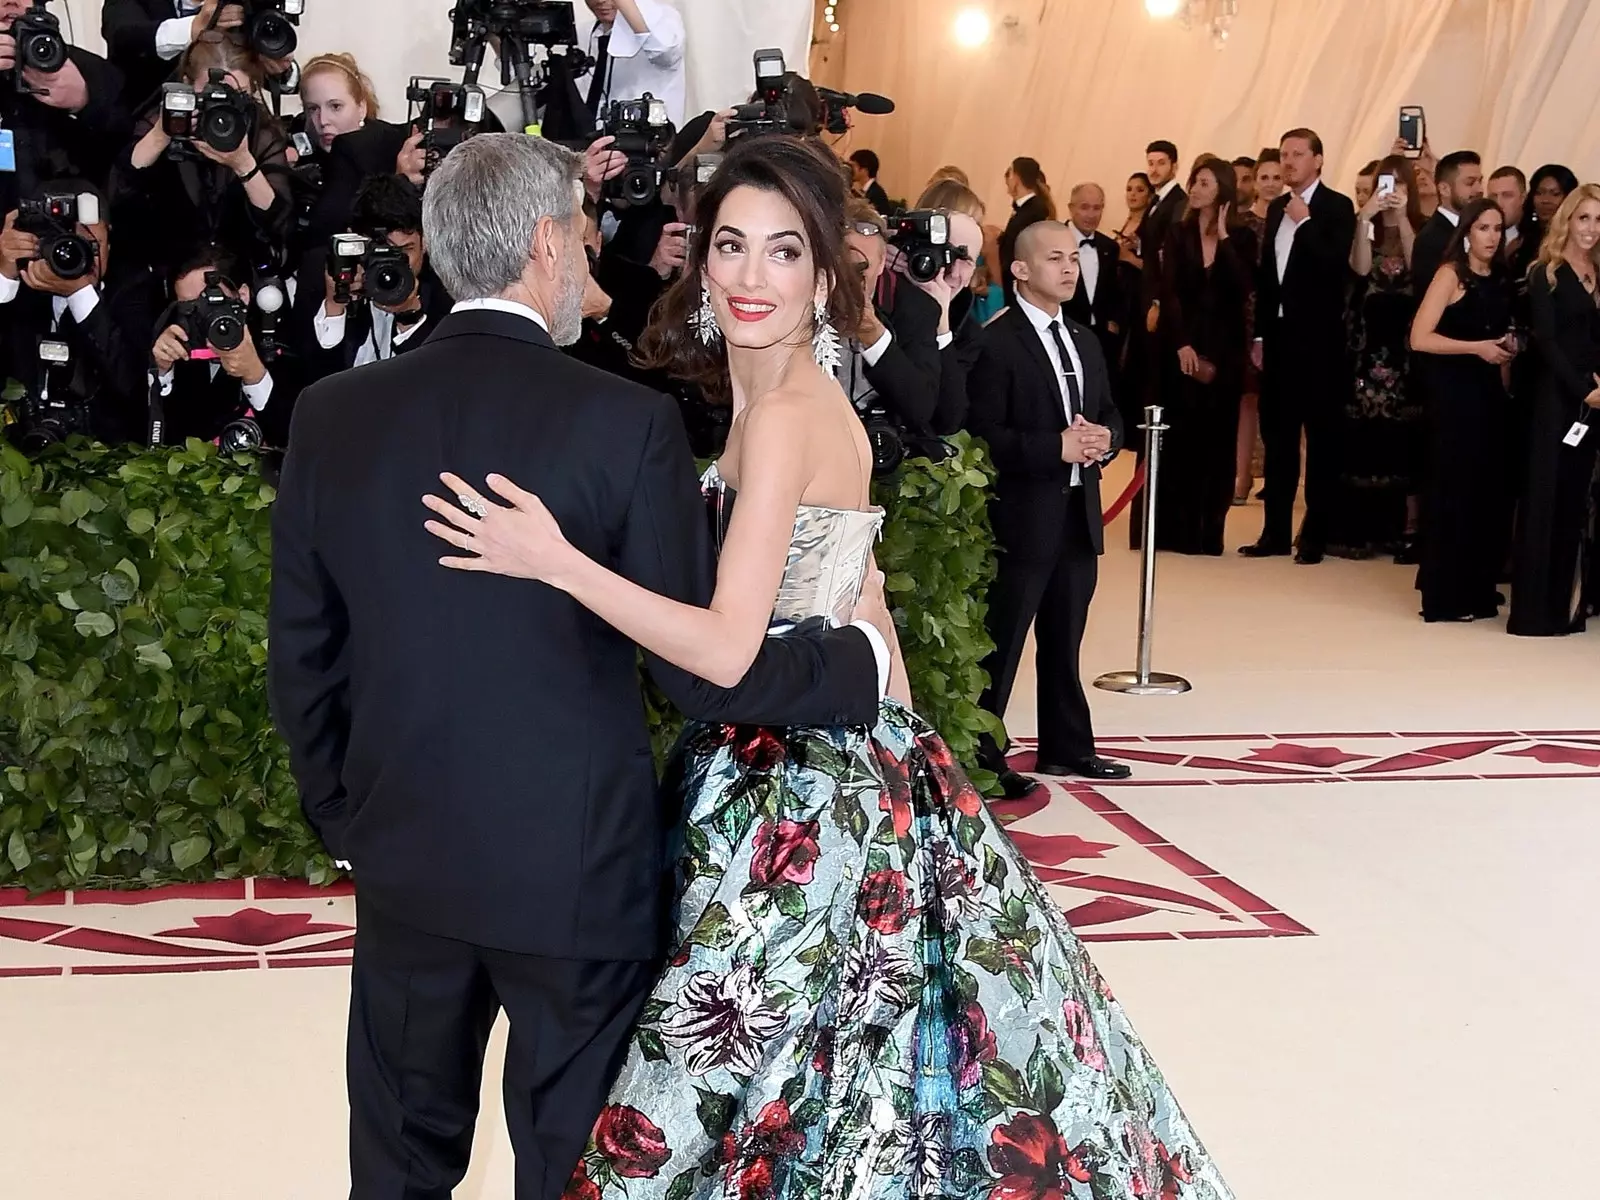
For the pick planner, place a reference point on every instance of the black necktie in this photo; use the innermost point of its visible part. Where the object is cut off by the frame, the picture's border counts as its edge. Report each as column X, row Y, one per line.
column 1068, row 375
column 602, row 68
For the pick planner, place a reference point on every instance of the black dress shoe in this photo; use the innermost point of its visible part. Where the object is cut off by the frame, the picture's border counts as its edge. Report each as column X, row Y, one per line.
column 1092, row 767
column 1309, row 556
column 1409, row 554
column 1264, row 549
column 1014, row 786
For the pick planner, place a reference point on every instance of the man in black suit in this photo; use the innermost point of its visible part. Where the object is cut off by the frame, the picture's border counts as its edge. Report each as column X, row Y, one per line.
column 146, row 38
column 1460, row 180
column 1098, row 304
column 1300, row 345
column 87, row 338
column 1030, row 203
column 1167, row 208
column 1041, row 398
column 864, row 168
column 475, row 746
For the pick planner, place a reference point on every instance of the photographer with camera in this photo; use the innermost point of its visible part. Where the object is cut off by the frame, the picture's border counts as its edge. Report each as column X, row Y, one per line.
column 146, row 38
column 75, row 336
column 959, row 316
column 637, row 46
column 210, row 165
column 213, row 378
column 371, row 294
column 61, row 109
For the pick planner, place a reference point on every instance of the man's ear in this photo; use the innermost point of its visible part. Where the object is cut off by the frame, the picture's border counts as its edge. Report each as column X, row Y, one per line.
column 1019, row 270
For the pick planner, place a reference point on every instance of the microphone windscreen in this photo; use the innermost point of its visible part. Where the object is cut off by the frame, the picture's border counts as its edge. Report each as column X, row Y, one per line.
column 874, row 105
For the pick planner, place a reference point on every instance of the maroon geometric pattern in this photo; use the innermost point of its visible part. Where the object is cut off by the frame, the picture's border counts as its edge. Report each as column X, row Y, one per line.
column 1117, row 879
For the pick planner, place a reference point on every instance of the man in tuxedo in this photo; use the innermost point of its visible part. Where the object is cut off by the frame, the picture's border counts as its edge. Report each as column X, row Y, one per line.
column 86, row 338
column 864, row 173
column 1167, row 208
column 146, row 38
column 475, row 746
column 1098, row 304
column 1300, row 348
column 1041, row 398
column 1459, row 177
column 1030, row 203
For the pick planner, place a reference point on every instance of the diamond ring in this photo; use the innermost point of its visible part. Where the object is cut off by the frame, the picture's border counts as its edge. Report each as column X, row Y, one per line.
column 473, row 505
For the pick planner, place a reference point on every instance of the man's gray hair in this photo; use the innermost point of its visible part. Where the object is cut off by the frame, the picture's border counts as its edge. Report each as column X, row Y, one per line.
column 483, row 203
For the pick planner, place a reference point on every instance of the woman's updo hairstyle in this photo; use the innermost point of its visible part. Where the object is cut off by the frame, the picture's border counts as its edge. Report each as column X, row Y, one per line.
column 808, row 176
column 344, row 64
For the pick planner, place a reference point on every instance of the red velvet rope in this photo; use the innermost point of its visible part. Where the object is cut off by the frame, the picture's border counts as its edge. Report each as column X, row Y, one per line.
column 1134, row 486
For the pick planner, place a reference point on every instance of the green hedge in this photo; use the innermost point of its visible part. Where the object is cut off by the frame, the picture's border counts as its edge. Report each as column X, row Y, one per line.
column 135, row 739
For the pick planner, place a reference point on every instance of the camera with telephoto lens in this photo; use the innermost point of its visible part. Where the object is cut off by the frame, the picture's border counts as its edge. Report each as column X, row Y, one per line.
column 386, row 274
column 218, row 114
column 644, row 133
column 50, row 412
column 214, row 320
column 269, row 26
column 40, row 46
column 448, row 113
column 923, row 237
column 773, row 110
column 54, row 219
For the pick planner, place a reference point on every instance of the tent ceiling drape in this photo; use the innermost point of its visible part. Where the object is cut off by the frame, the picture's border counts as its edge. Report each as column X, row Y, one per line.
column 1083, row 85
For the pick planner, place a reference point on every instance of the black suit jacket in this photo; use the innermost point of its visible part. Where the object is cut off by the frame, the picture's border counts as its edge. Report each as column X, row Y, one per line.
column 1018, row 409
column 475, row 745
column 907, row 377
column 878, row 198
column 110, row 350
column 1109, row 306
column 1159, row 220
column 1312, row 291
column 129, row 27
column 1030, row 212
column 311, row 294
column 53, row 144
column 1428, row 251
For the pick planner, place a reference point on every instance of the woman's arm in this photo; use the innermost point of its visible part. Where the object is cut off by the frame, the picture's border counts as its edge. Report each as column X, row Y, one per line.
column 1425, row 335
column 719, row 643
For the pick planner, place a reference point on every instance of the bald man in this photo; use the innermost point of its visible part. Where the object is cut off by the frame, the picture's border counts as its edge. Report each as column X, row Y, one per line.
column 1099, row 302
column 1041, row 397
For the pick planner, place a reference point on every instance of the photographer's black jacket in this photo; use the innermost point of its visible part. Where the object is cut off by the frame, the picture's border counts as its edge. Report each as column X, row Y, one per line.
column 310, row 295
column 110, row 350
column 907, row 377
column 129, row 27
column 204, row 401
column 53, row 144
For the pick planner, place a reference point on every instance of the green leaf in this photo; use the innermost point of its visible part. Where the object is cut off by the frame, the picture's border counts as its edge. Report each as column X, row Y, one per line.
column 988, row 954
column 17, row 851
column 1003, row 1083
column 715, row 1112
column 190, row 851
column 95, row 624
column 683, row 1186
column 76, row 504
column 14, row 514
column 714, row 930
column 152, row 655
column 994, row 868
column 118, row 587
column 791, row 901
column 205, row 792
column 67, row 601
column 1045, row 1080
column 141, row 521
column 651, row 1045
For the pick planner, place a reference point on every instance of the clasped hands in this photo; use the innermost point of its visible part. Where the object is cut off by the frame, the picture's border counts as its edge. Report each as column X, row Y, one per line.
column 1085, row 444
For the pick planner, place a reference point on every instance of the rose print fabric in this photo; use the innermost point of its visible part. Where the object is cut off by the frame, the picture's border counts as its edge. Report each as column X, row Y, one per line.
column 871, row 997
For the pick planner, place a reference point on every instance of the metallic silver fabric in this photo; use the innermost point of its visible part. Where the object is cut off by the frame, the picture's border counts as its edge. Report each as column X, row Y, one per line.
column 829, row 555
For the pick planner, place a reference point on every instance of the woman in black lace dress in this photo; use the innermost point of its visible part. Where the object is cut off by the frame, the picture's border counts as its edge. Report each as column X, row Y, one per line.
column 1462, row 339
column 1203, row 342
column 1381, row 431
column 1554, row 551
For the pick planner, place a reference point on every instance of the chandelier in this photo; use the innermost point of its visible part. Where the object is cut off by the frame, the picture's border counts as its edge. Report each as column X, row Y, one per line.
column 1213, row 16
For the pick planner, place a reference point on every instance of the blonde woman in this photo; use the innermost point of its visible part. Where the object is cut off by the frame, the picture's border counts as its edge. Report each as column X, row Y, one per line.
column 336, row 97
column 1553, row 574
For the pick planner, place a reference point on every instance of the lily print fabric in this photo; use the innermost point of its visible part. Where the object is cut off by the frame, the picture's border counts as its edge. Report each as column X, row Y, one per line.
column 872, row 996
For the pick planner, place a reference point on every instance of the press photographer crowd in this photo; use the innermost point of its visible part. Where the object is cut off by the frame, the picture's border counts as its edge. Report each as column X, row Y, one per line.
column 180, row 259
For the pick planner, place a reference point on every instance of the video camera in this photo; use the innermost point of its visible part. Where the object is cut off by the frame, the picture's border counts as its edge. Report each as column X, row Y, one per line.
column 517, row 26
column 836, row 108
column 386, row 274
column 644, row 133
column 40, row 46
column 218, row 114
column 923, row 237
column 54, row 219
column 448, row 112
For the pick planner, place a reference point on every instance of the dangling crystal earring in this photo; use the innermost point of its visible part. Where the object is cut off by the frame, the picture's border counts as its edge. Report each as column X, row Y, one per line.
column 825, row 345
column 704, row 321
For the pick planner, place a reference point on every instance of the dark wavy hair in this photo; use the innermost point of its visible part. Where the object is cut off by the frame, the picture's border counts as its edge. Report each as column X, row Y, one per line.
column 810, row 178
column 1456, row 256
column 1227, row 186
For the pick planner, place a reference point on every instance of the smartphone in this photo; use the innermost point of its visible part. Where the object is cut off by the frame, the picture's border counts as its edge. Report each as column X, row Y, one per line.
column 1413, row 129
column 1385, row 185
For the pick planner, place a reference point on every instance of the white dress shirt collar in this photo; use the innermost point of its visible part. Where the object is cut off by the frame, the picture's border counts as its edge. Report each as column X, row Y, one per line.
column 1037, row 317
column 1449, row 215
column 495, row 304
column 1165, row 189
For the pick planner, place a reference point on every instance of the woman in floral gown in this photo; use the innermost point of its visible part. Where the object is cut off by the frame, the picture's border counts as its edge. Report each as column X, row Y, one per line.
column 870, row 994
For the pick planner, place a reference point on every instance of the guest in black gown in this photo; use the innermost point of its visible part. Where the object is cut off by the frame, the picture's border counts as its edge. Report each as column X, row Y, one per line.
column 1461, row 337
column 1381, row 424
column 1552, row 559
column 1204, row 341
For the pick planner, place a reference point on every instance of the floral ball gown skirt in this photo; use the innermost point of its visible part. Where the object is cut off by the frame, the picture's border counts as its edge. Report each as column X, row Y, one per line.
column 872, row 996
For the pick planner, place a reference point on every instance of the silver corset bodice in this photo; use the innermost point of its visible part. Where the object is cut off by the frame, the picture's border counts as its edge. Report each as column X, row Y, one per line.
column 830, row 552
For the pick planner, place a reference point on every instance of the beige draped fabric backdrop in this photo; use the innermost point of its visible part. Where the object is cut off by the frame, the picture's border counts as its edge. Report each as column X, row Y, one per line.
column 1084, row 85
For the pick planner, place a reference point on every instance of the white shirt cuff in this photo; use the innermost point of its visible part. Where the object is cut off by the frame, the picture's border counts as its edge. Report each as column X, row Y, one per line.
column 662, row 43
column 880, row 651
column 259, row 394
column 945, row 339
column 9, row 289
column 173, row 36
column 83, row 302
column 165, row 380
column 878, row 349
column 330, row 330
column 402, row 334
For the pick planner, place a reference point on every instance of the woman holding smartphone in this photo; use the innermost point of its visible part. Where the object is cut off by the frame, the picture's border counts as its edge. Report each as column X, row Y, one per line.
column 1382, row 418
column 1464, row 343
